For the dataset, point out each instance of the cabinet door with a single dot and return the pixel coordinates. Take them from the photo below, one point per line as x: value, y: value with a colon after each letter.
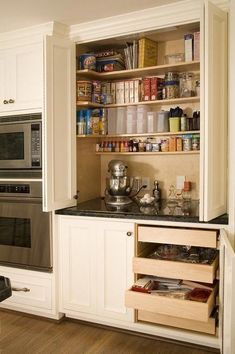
x: 213, y: 154
x: 3, y: 80
x: 115, y: 251
x: 26, y: 72
x: 59, y: 125
x: 227, y: 298
x: 77, y: 265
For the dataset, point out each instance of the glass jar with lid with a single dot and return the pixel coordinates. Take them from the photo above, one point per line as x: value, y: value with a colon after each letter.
x: 187, y: 84
x: 171, y: 85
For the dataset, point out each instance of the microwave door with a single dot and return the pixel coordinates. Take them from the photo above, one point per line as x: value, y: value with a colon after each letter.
x: 15, y: 146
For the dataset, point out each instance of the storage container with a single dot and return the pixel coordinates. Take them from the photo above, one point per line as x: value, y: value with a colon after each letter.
x: 163, y: 121
x: 112, y: 120
x: 141, y: 125
x: 152, y: 122
x: 174, y: 124
x: 121, y: 120
x: 131, y: 120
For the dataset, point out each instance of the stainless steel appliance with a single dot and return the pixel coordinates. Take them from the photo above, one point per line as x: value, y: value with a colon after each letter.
x: 21, y: 142
x: 120, y: 187
x: 25, y: 230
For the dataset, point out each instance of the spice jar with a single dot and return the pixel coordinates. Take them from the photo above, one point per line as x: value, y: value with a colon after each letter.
x: 171, y: 85
x: 186, y: 84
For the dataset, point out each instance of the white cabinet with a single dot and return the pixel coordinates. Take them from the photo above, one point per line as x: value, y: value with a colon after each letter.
x: 21, y: 73
x: 59, y: 124
x: 95, y: 267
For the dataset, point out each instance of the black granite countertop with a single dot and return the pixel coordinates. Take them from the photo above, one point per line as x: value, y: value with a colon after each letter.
x: 163, y: 211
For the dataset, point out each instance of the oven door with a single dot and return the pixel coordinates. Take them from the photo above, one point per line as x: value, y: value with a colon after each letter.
x: 15, y: 146
x: 25, y: 235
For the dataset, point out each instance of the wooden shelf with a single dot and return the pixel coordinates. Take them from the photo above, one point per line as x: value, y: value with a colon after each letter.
x: 158, y: 102
x: 138, y: 135
x: 153, y: 70
x: 192, y: 152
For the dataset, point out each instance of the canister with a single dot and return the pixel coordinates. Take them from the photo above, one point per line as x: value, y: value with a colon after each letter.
x: 163, y: 121
x: 84, y: 89
x: 87, y: 61
x: 187, y: 143
x: 174, y: 124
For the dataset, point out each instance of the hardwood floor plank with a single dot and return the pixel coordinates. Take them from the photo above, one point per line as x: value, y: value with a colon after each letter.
x: 20, y: 334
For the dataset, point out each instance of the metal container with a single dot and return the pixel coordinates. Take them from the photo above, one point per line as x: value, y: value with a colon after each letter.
x: 121, y: 186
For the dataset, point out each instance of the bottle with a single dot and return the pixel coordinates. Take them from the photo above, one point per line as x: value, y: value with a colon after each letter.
x: 156, y: 192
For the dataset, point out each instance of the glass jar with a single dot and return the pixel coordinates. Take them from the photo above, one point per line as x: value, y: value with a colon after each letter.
x: 186, y: 85
x: 171, y: 85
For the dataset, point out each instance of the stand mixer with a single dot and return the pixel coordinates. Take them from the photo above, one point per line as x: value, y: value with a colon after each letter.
x: 119, y: 187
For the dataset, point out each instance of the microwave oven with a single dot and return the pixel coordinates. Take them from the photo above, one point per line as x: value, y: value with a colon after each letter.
x: 21, y: 142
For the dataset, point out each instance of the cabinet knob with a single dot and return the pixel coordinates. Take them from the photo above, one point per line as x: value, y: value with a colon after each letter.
x: 129, y: 233
x: 11, y: 100
x: 5, y: 102
x: 21, y: 289
x: 76, y: 196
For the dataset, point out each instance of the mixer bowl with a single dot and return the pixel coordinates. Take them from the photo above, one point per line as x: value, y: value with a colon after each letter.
x: 119, y: 186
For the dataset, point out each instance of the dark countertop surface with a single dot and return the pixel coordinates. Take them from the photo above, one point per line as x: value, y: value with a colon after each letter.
x: 164, y: 211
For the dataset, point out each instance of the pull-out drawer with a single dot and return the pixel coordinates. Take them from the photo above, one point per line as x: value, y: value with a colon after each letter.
x: 175, y: 236
x: 187, y: 309
x: 198, y: 326
x: 177, y: 270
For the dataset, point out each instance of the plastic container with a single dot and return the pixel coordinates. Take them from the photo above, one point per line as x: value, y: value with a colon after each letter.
x: 163, y: 121
x: 174, y: 58
x: 112, y: 120
x: 152, y: 122
x: 174, y: 124
x: 131, y: 114
x: 187, y: 84
x: 141, y: 124
x: 121, y: 120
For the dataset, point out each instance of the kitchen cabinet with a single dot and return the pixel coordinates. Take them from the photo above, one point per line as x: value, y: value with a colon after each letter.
x: 21, y: 72
x: 95, y: 268
x: 210, y: 163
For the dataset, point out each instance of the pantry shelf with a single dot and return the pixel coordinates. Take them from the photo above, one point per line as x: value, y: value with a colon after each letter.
x: 139, y: 135
x: 158, y: 102
x: 192, y: 152
x: 133, y: 73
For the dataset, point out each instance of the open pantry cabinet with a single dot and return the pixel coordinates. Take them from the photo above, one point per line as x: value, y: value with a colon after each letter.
x: 212, y: 317
x: 205, y: 168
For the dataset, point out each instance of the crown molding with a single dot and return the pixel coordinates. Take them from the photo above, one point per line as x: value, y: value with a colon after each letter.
x: 33, y: 33
x: 144, y: 20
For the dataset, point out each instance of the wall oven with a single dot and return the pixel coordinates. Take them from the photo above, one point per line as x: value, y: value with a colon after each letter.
x: 21, y: 142
x: 25, y: 230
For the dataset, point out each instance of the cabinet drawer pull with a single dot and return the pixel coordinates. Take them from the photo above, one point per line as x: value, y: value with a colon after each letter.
x: 129, y: 233
x: 5, y: 102
x: 21, y: 289
x: 11, y: 100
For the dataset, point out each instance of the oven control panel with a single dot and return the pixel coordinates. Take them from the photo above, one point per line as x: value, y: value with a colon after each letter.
x: 15, y: 188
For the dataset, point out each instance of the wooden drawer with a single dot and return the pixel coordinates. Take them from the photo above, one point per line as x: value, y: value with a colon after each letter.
x: 30, y: 291
x: 192, y: 325
x: 177, y: 270
x: 186, y: 309
x: 174, y: 236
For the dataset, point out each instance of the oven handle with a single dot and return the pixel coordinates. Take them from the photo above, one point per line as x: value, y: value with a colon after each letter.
x: 20, y: 289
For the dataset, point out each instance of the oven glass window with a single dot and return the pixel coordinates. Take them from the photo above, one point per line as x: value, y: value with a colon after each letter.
x: 15, y: 232
x: 12, y: 146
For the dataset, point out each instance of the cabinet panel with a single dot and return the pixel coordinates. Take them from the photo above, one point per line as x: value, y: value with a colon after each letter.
x: 59, y: 125
x: 114, y: 275
x: 77, y: 264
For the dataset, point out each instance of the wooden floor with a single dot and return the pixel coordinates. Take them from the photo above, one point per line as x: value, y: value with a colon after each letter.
x: 20, y: 334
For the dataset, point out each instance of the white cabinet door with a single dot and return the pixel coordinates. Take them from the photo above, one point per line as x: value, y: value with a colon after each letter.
x: 77, y: 265
x: 213, y: 156
x: 59, y: 125
x: 115, y: 251
x: 95, y: 260
x: 21, y: 73
x: 227, y: 298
